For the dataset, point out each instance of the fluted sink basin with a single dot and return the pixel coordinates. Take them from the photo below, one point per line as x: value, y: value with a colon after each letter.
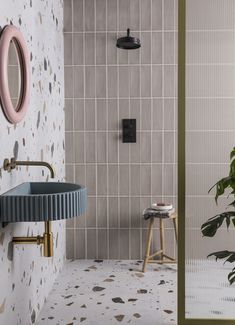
x: 42, y: 202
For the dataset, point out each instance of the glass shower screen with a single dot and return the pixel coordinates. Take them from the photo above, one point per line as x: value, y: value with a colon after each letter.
x: 210, y: 137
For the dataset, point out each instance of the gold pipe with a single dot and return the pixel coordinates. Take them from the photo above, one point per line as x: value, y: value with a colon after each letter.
x: 47, y: 239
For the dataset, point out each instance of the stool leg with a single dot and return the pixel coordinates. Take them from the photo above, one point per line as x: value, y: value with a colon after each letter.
x: 175, y: 222
x: 162, y: 238
x: 150, y: 231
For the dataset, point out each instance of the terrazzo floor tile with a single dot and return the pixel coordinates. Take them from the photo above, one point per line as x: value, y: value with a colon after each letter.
x: 111, y: 292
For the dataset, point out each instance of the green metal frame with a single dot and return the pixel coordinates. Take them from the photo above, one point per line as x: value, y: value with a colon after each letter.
x: 181, y: 175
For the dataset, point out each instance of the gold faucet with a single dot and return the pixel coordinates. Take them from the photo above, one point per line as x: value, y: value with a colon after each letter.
x: 47, y: 239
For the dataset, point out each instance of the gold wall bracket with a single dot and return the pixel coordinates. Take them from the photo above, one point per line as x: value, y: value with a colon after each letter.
x: 47, y: 239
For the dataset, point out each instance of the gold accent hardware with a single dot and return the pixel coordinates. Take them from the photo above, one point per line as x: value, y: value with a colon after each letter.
x: 47, y: 239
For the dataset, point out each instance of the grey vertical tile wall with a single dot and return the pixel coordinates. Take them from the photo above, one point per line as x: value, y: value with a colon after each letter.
x: 104, y: 85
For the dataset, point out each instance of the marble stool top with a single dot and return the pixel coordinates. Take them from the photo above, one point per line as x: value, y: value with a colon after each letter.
x: 150, y: 212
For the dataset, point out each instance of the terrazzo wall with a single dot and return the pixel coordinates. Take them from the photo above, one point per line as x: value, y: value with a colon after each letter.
x: 103, y: 86
x: 25, y: 276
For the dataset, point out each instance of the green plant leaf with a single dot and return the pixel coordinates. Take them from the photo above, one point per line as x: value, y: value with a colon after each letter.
x: 210, y: 227
x: 230, y: 256
x: 232, y: 153
x: 231, y: 276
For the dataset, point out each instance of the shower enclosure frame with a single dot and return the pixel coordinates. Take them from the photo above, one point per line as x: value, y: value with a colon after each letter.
x: 182, y: 320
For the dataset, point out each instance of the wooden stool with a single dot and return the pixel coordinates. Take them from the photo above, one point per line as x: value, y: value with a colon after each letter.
x: 163, y: 257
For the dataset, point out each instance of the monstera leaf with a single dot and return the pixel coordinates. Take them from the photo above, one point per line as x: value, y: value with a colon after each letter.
x: 229, y: 257
x: 210, y: 227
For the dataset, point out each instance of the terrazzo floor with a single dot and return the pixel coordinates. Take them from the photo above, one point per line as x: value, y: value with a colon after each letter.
x: 111, y: 292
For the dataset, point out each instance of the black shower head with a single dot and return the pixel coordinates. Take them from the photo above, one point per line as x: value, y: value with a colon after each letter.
x: 128, y: 42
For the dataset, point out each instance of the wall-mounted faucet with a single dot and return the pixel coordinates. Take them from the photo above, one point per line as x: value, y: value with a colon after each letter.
x: 47, y: 239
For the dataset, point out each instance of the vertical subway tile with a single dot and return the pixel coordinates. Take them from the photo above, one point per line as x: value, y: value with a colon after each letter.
x: 146, y: 179
x: 67, y: 15
x: 169, y: 84
x: 91, y: 179
x: 102, y: 244
x: 113, y: 179
x: 69, y: 147
x: 69, y: 173
x: 89, y: 82
x: 69, y: 223
x: 157, y: 81
x: 90, y: 114
x: 124, y: 81
x: 135, y: 150
x: 146, y: 14
x: 124, y: 180
x: 92, y: 247
x: 157, y: 179
x: 101, y: 179
x: 68, y: 82
x: 124, y: 244
x: 114, y: 243
x: 135, y: 111
x: 100, y: 15
x: 89, y: 15
x: 169, y: 114
x: 80, y: 244
x: 113, y: 115
x: 68, y: 49
x: 135, y: 244
x: 135, y: 180
x: 134, y: 56
x: 70, y: 243
x: 169, y: 14
x: 168, y: 180
x: 156, y: 147
x: 157, y: 47
x: 101, y: 144
x: 122, y: 54
x: 146, y: 114
x: 124, y: 212
x: 134, y: 21
x: 100, y: 48
x: 145, y: 147
x: 90, y: 147
x: 111, y: 48
x: 91, y: 212
x: 78, y: 82
x: 113, y: 147
x: 113, y: 212
x: 112, y: 81
x: 124, y: 152
x: 146, y: 47
x: 145, y: 202
x: 124, y: 10
x: 78, y: 114
x: 157, y: 14
x: 112, y: 15
x: 68, y: 114
x: 78, y: 16
x: 80, y: 171
x: 135, y: 212
x: 101, y: 114
x: 78, y: 55
x: 100, y: 82
x: 169, y: 51
x: 145, y: 81
x: 134, y: 81
x: 102, y: 212
x: 90, y: 48
x: 157, y: 114
x: 169, y: 145
x: 79, y: 147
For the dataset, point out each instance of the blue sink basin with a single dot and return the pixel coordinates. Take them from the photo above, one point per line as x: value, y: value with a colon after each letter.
x: 42, y: 201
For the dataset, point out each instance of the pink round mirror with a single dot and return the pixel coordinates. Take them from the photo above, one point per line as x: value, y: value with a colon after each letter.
x: 14, y: 74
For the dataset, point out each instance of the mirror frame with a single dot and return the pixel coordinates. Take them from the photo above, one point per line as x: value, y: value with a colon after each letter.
x: 8, y: 34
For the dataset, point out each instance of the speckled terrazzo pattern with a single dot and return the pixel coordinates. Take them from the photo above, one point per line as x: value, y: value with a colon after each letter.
x: 25, y: 276
x: 111, y: 292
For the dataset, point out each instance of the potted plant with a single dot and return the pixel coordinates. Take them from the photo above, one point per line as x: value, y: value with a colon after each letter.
x: 210, y: 227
